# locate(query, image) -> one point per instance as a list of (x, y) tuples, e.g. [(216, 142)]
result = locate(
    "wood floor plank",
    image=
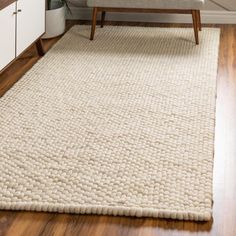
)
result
[(224, 220)]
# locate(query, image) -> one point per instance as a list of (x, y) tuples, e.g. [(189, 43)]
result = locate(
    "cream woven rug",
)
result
[(123, 125)]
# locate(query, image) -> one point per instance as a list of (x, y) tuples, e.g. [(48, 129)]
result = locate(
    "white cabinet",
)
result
[(22, 23), (30, 22), (7, 35)]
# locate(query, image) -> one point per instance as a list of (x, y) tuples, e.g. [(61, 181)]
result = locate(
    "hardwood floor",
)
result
[(224, 223)]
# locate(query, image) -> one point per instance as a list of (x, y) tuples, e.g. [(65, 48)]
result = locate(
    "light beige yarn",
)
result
[(123, 125)]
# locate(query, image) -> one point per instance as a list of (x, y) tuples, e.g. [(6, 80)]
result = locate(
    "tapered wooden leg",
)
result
[(39, 46), (94, 22), (103, 18), (199, 20), (195, 25)]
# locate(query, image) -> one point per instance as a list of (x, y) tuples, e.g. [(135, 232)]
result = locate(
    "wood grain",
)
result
[(5, 3), (14, 223)]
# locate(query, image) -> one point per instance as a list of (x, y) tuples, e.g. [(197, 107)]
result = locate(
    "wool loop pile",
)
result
[(122, 125)]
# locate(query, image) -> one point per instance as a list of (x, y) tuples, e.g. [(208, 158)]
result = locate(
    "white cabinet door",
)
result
[(7, 35), (30, 23)]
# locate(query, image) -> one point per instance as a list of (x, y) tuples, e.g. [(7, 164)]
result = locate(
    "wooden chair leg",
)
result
[(199, 20), (195, 25), (40, 49), (94, 22), (103, 18)]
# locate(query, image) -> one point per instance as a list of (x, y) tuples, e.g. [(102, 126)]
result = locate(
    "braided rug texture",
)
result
[(123, 125)]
